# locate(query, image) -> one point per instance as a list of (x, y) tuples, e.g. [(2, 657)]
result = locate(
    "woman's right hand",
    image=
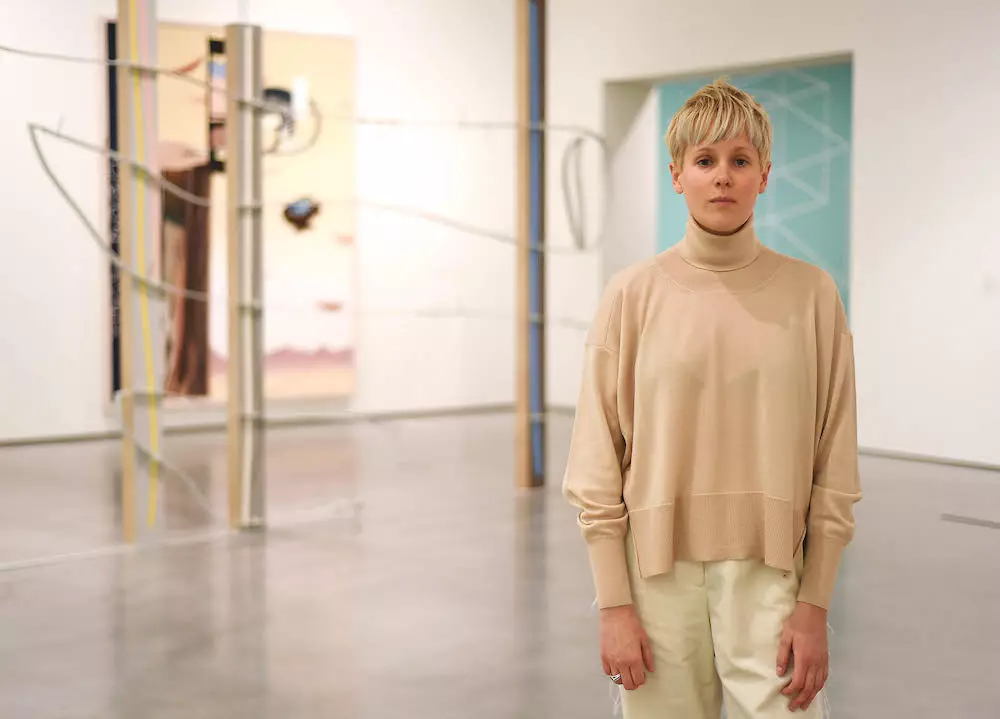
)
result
[(625, 648)]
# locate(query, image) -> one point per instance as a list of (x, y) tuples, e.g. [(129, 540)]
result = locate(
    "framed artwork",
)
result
[(309, 220)]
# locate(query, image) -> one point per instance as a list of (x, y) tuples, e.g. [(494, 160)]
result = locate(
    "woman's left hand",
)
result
[(804, 643)]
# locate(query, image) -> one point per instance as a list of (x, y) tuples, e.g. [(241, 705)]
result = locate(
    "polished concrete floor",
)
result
[(447, 593)]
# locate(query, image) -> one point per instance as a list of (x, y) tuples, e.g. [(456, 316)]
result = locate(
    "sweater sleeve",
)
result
[(593, 479), (836, 483)]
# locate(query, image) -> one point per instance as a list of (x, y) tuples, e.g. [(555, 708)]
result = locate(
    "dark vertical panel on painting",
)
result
[(111, 46)]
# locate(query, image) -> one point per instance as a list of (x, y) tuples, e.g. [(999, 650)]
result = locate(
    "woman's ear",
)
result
[(675, 176), (763, 179)]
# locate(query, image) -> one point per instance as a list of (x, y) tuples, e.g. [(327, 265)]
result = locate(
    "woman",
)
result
[(714, 451)]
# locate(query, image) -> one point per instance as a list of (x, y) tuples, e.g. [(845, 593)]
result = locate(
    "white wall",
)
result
[(926, 244), (419, 59), (925, 287), (634, 176)]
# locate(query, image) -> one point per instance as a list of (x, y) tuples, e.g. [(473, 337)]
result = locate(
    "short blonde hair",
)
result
[(719, 112)]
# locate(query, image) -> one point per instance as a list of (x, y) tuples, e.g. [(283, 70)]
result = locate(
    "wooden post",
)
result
[(530, 310), (244, 150), (141, 345)]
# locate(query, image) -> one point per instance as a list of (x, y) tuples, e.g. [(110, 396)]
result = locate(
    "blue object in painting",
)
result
[(300, 213), (805, 211), (217, 70), (300, 208)]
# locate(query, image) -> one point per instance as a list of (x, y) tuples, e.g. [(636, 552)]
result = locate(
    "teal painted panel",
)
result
[(805, 211)]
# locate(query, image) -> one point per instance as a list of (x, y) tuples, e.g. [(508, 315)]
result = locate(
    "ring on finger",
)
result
[(616, 678)]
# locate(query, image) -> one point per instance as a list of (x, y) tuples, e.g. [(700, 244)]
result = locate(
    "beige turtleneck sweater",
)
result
[(716, 418)]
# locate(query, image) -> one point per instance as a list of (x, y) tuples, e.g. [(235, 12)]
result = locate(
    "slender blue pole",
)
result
[(537, 260)]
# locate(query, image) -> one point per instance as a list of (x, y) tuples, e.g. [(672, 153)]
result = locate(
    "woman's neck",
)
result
[(709, 250)]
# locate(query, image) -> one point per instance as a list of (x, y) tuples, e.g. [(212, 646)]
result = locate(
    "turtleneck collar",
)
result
[(719, 253)]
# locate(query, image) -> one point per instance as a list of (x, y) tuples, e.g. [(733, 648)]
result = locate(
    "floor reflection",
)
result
[(404, 575)]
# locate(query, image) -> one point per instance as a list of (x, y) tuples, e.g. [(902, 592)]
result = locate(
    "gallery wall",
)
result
[(632, 130), (433, 329), (925, 287), (925, 267)]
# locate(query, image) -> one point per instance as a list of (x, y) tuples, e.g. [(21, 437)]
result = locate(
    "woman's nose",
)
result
[(723, 177)]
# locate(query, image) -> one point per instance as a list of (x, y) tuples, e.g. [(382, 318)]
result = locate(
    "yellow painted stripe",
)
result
[(140, 223)]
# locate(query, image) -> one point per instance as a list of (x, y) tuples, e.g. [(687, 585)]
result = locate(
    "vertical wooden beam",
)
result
[(141, 343), (530, 276), (244, 150)]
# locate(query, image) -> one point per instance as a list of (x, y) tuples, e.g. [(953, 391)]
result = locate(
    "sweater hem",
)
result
[(715, 527)]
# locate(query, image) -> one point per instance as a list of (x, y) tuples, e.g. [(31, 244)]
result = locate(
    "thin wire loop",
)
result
[(575, 211), (571, 154)]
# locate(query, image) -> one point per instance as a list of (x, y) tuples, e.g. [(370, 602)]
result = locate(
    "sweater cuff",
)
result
[(610, 569), (819, 570)]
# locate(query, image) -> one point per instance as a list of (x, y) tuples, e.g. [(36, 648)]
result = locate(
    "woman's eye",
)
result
[(742, 162), (704, 162)]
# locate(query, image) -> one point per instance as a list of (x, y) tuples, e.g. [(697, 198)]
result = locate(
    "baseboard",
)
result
[(563, 410), (277, 421), (927, 459), (103, 436), (306, 420), (319, 419)]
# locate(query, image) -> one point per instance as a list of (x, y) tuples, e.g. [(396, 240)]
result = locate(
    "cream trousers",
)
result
[(714, 629)]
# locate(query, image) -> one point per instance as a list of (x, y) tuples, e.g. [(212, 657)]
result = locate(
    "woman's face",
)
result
[(720, 183)]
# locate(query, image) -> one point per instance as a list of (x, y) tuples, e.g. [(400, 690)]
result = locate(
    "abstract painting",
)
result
[(308, 217)]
